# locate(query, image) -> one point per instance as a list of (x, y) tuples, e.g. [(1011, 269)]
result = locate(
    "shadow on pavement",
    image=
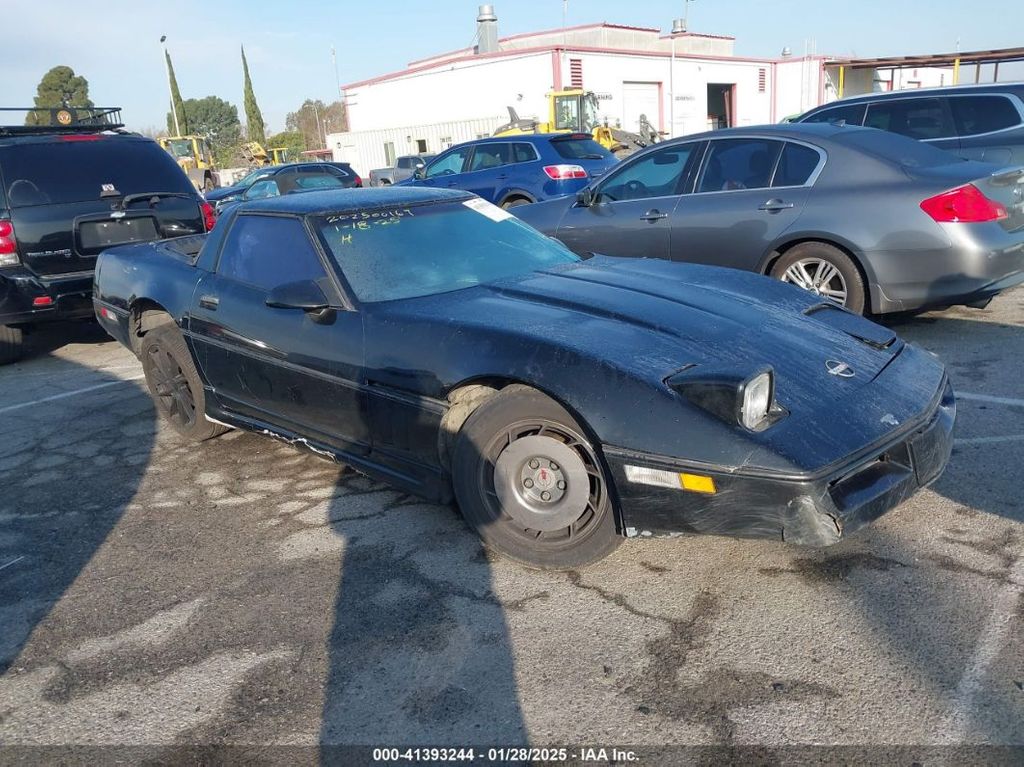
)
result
[(68, 471), (420, 651)]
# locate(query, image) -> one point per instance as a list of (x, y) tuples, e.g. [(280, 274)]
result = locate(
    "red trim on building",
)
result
[(558, 30), (439, 65), (556, 70)]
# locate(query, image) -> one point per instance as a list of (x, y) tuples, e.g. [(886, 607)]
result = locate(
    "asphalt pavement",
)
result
[(157, 592)]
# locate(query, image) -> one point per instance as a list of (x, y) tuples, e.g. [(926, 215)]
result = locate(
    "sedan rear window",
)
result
[(898, 149), (423, 250), (75, 169), (580, 149), (796, 165)]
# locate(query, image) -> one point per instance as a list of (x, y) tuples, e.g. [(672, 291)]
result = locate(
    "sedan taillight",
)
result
[(562, 172), (8, 245), (963, 205)]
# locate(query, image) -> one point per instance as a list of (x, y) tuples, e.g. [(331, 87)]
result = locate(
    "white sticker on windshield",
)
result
[(485, 208)]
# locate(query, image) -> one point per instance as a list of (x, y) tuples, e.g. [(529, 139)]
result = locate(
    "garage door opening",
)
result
[(721, 105), (641, 100)]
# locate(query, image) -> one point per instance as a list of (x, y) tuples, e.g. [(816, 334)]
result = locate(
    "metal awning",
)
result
[(998, 55)]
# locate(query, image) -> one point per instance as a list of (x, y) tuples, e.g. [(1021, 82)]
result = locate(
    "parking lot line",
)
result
[(65, 395), (990, 643), (964, 395), (989, 440)]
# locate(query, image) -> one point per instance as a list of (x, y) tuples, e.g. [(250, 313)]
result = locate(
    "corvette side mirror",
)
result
[(585, 197), (305, 295), (419, 173)]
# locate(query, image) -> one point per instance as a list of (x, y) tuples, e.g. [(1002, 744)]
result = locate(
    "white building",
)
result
[(465, 94)]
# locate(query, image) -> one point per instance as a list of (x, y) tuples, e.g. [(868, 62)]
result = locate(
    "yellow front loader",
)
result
[(258, 157), (195, 156), (575, 111)]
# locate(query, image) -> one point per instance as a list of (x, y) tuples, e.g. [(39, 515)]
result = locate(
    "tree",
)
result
[(59, 87), (214, 118), (179, 106), (293, 141), (253, 116), (314, 119)]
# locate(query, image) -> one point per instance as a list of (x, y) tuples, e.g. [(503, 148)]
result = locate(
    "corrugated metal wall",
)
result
[(367, 150)]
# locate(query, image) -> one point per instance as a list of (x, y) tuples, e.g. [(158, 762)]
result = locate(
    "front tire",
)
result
[(174, 383), (824, 270), (12, 344), (530, 483)]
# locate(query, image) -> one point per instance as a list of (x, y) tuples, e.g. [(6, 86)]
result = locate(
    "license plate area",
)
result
[(94, 236)]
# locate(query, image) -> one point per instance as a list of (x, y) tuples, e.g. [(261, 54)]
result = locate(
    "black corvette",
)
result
[(431, 340)]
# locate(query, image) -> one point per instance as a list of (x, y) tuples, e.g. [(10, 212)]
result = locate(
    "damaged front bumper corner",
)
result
[(812, 510)]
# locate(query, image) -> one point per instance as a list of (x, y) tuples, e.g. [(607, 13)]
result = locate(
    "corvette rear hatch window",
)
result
[(423, 250)]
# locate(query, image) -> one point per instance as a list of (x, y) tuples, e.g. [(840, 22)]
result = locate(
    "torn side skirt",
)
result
[(814, 511)]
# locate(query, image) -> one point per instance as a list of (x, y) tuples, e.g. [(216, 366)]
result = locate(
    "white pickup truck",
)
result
[(404, 167)]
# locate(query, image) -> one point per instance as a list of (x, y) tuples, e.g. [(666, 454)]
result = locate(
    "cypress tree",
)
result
[(179, 105), (253, 116)]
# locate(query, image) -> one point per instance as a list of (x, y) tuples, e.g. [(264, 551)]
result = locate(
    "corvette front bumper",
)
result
[(813, 509)]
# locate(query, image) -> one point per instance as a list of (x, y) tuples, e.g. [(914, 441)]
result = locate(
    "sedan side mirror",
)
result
[(305, 295), (585, 197)]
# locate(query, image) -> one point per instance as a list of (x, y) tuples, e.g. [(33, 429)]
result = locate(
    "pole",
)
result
[(672, 92), (319, 129), (170, 93), (337, 78)]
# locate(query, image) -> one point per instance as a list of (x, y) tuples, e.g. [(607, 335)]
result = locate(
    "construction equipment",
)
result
[(258, 157), (575, 111), (195, 156)]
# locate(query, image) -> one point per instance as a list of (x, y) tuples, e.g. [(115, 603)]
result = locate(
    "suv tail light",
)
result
[(359, 181), (561, 172), (963, 205), (209, 215), (8, 245)]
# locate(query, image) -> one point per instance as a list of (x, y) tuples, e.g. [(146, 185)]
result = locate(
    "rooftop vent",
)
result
[(486, 30)]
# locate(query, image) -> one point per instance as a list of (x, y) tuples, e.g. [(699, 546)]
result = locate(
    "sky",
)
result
[(115, 44)]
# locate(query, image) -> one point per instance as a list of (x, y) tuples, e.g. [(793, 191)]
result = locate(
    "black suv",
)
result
[(69, 189), (977, 122)]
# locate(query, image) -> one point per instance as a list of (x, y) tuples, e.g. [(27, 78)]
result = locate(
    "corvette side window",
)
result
[(268, 251), (658, 174)]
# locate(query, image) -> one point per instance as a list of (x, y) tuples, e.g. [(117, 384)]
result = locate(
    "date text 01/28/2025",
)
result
[(503, 754)]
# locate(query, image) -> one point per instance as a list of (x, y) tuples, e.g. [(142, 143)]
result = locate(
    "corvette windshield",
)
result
[(422, 250)]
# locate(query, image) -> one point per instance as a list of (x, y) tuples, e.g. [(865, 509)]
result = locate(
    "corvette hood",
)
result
[(667, 316)]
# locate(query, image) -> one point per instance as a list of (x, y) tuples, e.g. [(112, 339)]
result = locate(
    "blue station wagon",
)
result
[(518, 170)]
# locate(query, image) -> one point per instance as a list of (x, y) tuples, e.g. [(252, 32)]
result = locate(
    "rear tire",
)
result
[(515, 202), (12, 344), (174, 383), (528, 480), (825, 270)]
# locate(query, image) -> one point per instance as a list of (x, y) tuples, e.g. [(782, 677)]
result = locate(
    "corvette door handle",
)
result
[(653, 215), (773, 205), (209, 302)]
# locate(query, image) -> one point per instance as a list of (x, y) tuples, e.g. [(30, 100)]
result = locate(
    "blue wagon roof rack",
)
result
[(65, 119)]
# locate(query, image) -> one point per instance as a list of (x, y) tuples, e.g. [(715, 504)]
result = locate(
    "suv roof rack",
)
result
[(65, 119)]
